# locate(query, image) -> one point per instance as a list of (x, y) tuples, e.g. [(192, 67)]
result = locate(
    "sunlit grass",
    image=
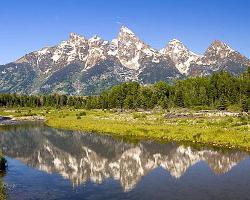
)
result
[(231, 132)]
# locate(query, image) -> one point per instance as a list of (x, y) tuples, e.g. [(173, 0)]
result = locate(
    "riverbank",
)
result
[(229, 130), (13, 120)]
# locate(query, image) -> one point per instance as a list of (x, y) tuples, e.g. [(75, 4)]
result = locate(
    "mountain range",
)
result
[(81, 66)]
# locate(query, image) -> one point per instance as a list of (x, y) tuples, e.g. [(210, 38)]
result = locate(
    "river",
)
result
[(47, 163)]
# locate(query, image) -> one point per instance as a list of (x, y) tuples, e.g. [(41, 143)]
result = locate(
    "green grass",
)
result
[(2, 191), (229, 132)]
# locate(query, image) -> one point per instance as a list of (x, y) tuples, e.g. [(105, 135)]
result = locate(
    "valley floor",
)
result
[(217, 129)]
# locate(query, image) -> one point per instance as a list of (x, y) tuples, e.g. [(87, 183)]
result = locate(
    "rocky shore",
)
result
[(16, 120)]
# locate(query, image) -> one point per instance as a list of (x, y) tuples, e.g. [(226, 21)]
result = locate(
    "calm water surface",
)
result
[(47, 163)]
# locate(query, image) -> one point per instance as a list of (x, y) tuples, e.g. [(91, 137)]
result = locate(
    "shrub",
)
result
[(139, 115), (2, 162), (230, 119), (83, 113), (245, 105), (244, 120)]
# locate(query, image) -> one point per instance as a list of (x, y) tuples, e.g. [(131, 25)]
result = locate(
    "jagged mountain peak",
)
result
[(174, 45), (74, 40), (126, 30), (177, 46), (218, 45), (175, 41), (220, 56), (75, 36), (96, 41), (131, 49), (180, 54), (217, 51)]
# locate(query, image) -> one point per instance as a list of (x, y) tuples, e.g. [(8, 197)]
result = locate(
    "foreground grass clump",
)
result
[(2, 191), (2, 188), (229, 132)]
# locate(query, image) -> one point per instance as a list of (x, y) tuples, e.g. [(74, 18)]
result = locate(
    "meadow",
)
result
[(218, 131)]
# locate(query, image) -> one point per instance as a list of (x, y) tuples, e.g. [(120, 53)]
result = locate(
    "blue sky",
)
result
[(28, 25)]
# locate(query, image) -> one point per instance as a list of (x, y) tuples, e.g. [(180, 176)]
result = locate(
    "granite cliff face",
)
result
[(88, 66)]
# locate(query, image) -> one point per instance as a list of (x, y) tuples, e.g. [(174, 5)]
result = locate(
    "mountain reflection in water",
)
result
[(82, 157)]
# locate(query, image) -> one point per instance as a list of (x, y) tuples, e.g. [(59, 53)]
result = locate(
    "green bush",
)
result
[(245, 104), (244, 120), (83, 113), (2, 162), (139, 115)]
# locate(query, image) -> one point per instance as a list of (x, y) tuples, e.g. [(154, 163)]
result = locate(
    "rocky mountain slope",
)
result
[(87, 66)]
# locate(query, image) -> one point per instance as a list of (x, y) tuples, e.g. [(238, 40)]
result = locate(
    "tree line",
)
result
[(219, 91), (53, 100)]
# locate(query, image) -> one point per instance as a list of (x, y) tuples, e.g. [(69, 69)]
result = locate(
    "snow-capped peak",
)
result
[(180, 54), (175, 41), (221, 44), (132, 51), (218, 49), (96, 41), (126, 30), (75, 36), (177, 46)]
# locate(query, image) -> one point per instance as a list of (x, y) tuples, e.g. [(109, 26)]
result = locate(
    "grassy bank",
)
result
[(229, 132)]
